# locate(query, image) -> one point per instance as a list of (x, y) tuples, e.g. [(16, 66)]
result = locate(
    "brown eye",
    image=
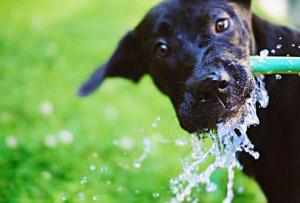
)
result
[(222, 25), (162, 49)]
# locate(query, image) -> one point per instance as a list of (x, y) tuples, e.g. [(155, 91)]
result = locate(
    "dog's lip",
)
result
[(196, 126), (193, 122), (204, 130), (198, 129), (214, 99)]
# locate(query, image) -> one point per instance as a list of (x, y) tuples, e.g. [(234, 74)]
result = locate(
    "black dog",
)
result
[(197, 53)]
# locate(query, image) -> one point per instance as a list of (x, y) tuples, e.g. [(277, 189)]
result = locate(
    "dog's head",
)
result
[(196, 51)]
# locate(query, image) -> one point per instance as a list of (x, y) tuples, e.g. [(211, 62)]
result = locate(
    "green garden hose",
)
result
[(275, 65)]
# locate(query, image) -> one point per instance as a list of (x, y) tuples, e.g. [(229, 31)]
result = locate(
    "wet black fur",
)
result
[(198, 64)]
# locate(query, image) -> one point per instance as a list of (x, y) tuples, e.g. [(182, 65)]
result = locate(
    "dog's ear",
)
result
[(125, 62)]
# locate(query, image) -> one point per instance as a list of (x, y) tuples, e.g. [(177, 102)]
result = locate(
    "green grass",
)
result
[(47, 48)]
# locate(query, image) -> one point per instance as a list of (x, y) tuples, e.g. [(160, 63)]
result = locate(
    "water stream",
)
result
[(228, 139)]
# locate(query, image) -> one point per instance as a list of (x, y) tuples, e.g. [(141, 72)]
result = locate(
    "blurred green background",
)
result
[(56, 147)]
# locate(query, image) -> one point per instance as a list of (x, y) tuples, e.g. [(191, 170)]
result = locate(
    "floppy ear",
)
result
[(125, 62), (282, 40)]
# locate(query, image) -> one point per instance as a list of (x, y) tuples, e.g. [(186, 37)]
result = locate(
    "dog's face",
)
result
[(197, 52)]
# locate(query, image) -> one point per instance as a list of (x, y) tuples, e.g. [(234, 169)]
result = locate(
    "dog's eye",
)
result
[(222, 25), (162, 49)]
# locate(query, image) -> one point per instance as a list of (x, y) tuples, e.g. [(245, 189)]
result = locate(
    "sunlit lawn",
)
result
[(47, 48)]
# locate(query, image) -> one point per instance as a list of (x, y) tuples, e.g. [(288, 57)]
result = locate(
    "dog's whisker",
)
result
[(220, 101)]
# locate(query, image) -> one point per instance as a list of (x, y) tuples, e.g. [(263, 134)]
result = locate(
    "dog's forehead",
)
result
[(185, 13)]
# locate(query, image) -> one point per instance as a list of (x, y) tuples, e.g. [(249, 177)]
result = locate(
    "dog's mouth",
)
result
[(204, 113), (198, 114)]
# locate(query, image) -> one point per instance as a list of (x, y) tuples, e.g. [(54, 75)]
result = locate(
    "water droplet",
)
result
[(279, 46), (137, 164), (181, 142), (96, 198), (120, 189), (154, 125), (103, 169), (81, 196), (240, 189), (92, 167), (50, 141), (46, 108), (278, 77), (264, 53), (11, 142), (84, 180), (299, 47), (273, 51), (280, 38), (95, 155), (147, 144), (64, 197), (293, 45), (156, 195), (211, 187), (108, 182), (125, 143), (158, 118), (256, 155), (147, 149), (66, 136)]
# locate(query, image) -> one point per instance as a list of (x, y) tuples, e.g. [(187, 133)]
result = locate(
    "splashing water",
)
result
[(278, 77), (273, 51), (147, 149), (84, 180), (279, 46), (96, 198), (92, 167), (264, 53), (64, 197), (156, 195), (228, 139), (81, 196)]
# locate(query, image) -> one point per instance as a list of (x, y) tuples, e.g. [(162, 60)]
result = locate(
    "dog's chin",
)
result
[(202, 117)]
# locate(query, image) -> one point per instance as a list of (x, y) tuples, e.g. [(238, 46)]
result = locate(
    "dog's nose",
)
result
[(216, 81)]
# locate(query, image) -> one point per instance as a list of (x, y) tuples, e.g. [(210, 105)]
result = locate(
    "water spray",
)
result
[(228, 139)]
